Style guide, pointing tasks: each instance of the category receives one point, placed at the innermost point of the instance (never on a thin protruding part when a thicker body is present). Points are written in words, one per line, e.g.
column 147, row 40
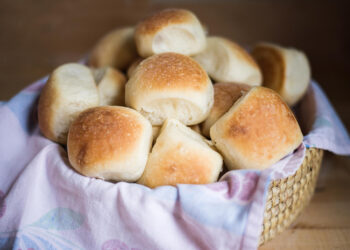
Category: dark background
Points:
column 36, row 36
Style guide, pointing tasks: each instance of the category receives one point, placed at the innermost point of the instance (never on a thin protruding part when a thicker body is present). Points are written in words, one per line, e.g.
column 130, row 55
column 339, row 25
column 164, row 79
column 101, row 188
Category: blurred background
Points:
column 36, row 36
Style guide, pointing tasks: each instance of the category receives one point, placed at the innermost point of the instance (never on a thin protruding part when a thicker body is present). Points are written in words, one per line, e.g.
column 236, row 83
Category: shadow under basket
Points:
column 289, row 196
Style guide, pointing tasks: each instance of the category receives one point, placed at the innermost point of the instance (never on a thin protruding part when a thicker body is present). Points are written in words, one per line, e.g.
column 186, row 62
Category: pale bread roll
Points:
column 285, row 70
column 116, row 49
column 110, row 85
column 156, row 130
column 133, row 66
column 170, row 30
column 170, row 85
column 180, row 155
column 257, row 131
column 110, row 143
column 69, row 90
column 226, row 61
column 225, row 95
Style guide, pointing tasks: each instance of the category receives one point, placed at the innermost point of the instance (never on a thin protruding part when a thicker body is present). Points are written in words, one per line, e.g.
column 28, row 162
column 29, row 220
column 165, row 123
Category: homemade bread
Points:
column 170, row 30
column 170, row 85
column 226, row 61
column 110, row 85
column 196, row 128
column 225, row 95
column 180, row 155
column 110, row 143
column 69, row 90
column 257, row 131
column 116, row 49
column 285, row 70
column 133, row 66
column 156, row 130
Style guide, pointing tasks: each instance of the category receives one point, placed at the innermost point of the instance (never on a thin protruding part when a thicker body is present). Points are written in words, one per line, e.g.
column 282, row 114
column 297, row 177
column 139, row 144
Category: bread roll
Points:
column 257, row 131
column 180, row 155
column 155, row 132
column 226, row 61
column 170, row 85
column 110, row 85
column 196, row 128
column 110, row 143
column 69, row 90
column 285, row 70
column 133, row 66
column 170, row 30
column 116, row 49
column 225, row 95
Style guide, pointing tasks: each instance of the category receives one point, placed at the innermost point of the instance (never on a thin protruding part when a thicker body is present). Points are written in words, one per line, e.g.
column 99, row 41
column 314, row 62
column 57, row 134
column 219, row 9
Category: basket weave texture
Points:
column 289, row 196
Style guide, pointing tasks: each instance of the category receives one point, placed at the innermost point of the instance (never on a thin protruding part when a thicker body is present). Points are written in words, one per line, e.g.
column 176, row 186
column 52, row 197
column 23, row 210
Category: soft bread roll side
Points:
column 225, row 95
column 226, row 61
column 257, row 131
column 116, row 49
column 180, row 155
column 69, row 90
column 170, row 85
column 156, row 130
column 133, row 66
column 110, row 85
column 170, row 30
column 110, row 143
column 285, row 70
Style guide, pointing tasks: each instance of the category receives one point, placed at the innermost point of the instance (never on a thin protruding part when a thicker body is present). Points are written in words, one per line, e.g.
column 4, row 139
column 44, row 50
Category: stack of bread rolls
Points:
column 163, row 103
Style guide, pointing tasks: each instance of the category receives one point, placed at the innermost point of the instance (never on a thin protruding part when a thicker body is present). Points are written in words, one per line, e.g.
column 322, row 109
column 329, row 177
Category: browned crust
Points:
column 175, row 166
column 272, row 65
column 225, row 95
column 103, row 134
column 45, row 114
column 171, row 70
column 262, row 125
column 157, row 21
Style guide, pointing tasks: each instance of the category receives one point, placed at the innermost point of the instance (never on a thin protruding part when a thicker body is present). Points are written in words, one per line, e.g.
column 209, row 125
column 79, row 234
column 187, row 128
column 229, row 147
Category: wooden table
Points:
column 37, row 36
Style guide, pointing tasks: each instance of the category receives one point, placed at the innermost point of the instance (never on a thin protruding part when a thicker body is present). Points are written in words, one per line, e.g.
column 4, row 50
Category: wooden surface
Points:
column 37, row 36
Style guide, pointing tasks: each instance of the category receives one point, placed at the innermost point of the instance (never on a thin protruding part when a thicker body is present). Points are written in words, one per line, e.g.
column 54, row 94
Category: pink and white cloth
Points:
column 44, row 204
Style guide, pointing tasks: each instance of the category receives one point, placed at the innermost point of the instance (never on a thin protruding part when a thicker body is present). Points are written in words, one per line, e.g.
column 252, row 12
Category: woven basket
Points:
column 288, row 197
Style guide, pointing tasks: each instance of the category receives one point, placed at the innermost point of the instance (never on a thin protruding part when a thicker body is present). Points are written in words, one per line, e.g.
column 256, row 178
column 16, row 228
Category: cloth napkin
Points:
column 45, row 204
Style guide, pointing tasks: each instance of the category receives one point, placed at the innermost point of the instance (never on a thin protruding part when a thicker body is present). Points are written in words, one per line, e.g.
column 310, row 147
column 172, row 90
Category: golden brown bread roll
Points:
column 257, row 131
column 116, row 49
column 180, row 155
column 170, row 85
column 226, row 61
column 225, row 95
column 69, row 90
column 170, row 30
column 285, row 70
column 110, row 85
column 110, row 143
